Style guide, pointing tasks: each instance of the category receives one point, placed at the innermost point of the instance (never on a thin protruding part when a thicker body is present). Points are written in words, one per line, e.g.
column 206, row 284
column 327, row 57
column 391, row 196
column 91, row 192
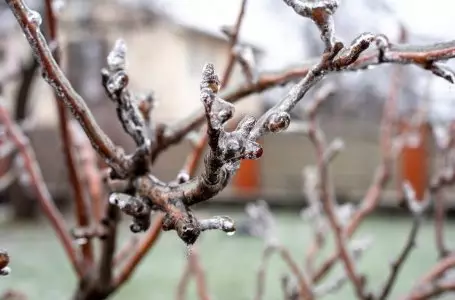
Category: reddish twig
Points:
column 67, row 142
column 381, row 177
column 126, row 251
column 44, row 197
column 198, row 272
column 184, row 281
column 30, row 21
column 260, row 285
column 328, row 204
column 306, row 292
column 144, row 246
column 89, row 165
column 400, row 260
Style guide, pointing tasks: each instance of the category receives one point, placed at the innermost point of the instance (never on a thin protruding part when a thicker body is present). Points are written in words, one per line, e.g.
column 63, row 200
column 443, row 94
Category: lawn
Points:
column 40, row 268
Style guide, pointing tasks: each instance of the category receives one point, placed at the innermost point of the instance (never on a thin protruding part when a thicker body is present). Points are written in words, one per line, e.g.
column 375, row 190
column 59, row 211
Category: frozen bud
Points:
column 210, row 78
column 246, row 125
column 278, row 122
column 117, row 82
column 253, row 150
column 116, row 60
column 130, row 205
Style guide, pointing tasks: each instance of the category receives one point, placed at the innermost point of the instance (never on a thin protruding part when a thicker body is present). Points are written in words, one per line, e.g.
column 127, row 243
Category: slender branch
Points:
column 198, row 272
column 437, row 270
column 409, row 245
column 305, row 287
column 44, row 197
column 126, row 251
column 260, row 281
column 194, row 158
column 184, row 281
column 142, row 249
column 30, row 21
column 105, row 269
column 233, row 38
column 381, row 177
column 396, row 54
column 89, row 165
column 328, row 205
column 82, row 214
column 25, row 86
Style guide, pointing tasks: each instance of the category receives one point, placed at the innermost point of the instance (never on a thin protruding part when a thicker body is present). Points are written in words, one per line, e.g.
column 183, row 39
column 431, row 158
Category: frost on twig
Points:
column 115, row 81
column 133, row 206
column 4, row 261
column 223, row 223
column 320, row 11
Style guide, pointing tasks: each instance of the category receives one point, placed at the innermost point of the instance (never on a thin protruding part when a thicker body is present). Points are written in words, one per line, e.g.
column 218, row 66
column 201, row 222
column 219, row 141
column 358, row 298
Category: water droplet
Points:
column 189, row 250
column 230, row 233
column 81, row 241
column 34, row 17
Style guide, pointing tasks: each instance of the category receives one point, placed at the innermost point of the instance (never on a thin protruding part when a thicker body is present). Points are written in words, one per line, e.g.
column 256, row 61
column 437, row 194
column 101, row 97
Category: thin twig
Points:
column 409, row 245
column 144, row 246
column 44, row 197
column 381, row 177
column 82, row 215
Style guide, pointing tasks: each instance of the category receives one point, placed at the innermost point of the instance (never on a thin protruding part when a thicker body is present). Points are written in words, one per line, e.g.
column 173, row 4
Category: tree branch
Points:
column 82, row 214
column 416, row 210
column 44, row 197
column 30, row 21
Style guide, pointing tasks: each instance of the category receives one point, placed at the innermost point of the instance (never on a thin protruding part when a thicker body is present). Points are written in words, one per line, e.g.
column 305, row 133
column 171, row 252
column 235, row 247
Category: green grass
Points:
column 40, row 269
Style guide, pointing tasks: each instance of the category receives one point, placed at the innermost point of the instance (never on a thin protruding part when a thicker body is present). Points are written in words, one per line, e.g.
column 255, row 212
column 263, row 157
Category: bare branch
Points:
column 44, row 197
column 409, row 245
column 115, row 81
column 30, row 21
column 144, row 246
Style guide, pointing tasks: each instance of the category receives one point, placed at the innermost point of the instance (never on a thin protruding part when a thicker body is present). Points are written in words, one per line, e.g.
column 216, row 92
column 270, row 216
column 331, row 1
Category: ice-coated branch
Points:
column 115, row 81
column 320, row 11
column 135, row 207
column 29, row 21
column 223, row 223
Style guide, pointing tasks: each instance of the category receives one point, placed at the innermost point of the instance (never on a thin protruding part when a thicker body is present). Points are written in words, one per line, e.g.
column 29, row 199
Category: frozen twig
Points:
column 417, row 208
column 139, row 252
column 320, row 11
column 115, row 81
